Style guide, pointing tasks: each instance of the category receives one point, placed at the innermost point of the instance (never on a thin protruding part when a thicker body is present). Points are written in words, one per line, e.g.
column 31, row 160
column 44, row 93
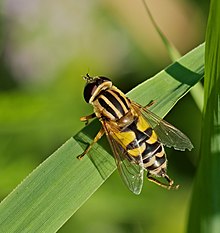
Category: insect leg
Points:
column 167, row 186
column 87, row 118
column 97, row 137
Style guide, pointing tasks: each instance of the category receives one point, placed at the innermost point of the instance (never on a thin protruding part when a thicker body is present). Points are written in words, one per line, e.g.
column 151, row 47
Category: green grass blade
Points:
column 197, row 91
column 205, row 207
column 50, row 195
column 171, row 49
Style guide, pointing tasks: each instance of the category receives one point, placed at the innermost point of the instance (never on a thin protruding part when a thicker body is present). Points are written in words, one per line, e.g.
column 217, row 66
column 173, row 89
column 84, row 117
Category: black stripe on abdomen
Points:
column 151, row 149
column 149, row 132
column 140, row 136
column 158, row 162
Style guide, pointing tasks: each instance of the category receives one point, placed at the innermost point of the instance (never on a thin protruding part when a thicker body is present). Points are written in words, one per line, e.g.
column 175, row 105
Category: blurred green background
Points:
column 45, row 48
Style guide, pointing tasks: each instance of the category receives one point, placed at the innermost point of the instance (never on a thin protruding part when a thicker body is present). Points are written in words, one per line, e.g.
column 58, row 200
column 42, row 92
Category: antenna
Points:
column 88, row 78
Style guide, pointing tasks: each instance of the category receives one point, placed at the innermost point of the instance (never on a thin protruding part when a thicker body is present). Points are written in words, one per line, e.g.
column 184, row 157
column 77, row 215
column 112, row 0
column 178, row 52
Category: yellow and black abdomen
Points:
column 146, row 144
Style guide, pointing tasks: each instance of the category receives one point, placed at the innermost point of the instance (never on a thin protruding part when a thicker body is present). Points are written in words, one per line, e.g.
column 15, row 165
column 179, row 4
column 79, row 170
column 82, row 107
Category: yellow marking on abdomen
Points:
column 160, row 154
column 142, row 124
column 124, row 138
column 153, row 138
column 151, row 162
column 137, row 151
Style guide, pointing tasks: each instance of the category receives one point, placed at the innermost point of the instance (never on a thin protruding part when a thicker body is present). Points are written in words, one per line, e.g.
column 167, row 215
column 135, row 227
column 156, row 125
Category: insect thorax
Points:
column 111, row 104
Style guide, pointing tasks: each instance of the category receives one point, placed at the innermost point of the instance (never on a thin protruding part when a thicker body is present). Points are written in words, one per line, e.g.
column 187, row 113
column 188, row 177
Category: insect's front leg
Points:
column 97, row 137
column 87, row 118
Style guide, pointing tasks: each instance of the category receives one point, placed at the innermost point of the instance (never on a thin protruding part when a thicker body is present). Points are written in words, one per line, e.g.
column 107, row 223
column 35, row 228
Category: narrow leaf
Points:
column 50, row 195
column 171, row 49
column 197, row 91
column 205, row 207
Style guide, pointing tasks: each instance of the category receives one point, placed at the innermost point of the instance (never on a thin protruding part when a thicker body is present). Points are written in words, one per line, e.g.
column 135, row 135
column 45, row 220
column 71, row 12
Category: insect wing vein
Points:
column 132, row 171
column 167, row 133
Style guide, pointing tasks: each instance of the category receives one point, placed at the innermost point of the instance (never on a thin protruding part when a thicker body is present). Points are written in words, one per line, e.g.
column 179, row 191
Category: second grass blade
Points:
column 205, row 205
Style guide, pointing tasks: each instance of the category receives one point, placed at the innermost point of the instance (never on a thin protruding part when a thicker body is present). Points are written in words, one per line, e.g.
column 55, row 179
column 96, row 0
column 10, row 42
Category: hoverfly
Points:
column 135, row 134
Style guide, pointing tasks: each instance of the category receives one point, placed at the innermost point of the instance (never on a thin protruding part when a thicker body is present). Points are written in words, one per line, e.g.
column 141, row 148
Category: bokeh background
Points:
column 45, row 48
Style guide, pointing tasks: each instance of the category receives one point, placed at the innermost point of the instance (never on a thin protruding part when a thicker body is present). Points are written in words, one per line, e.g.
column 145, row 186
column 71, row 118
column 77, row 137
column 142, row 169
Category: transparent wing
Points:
column 131, row 170
column 167, row 133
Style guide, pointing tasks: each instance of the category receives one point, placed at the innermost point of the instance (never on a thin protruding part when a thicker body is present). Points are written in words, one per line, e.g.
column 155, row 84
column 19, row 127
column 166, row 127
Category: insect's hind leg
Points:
column 97, row 137
column 167, row 186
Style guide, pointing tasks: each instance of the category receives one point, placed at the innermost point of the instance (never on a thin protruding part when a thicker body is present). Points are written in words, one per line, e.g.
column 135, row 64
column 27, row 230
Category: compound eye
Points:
column 93, row 84
column 89, row 90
